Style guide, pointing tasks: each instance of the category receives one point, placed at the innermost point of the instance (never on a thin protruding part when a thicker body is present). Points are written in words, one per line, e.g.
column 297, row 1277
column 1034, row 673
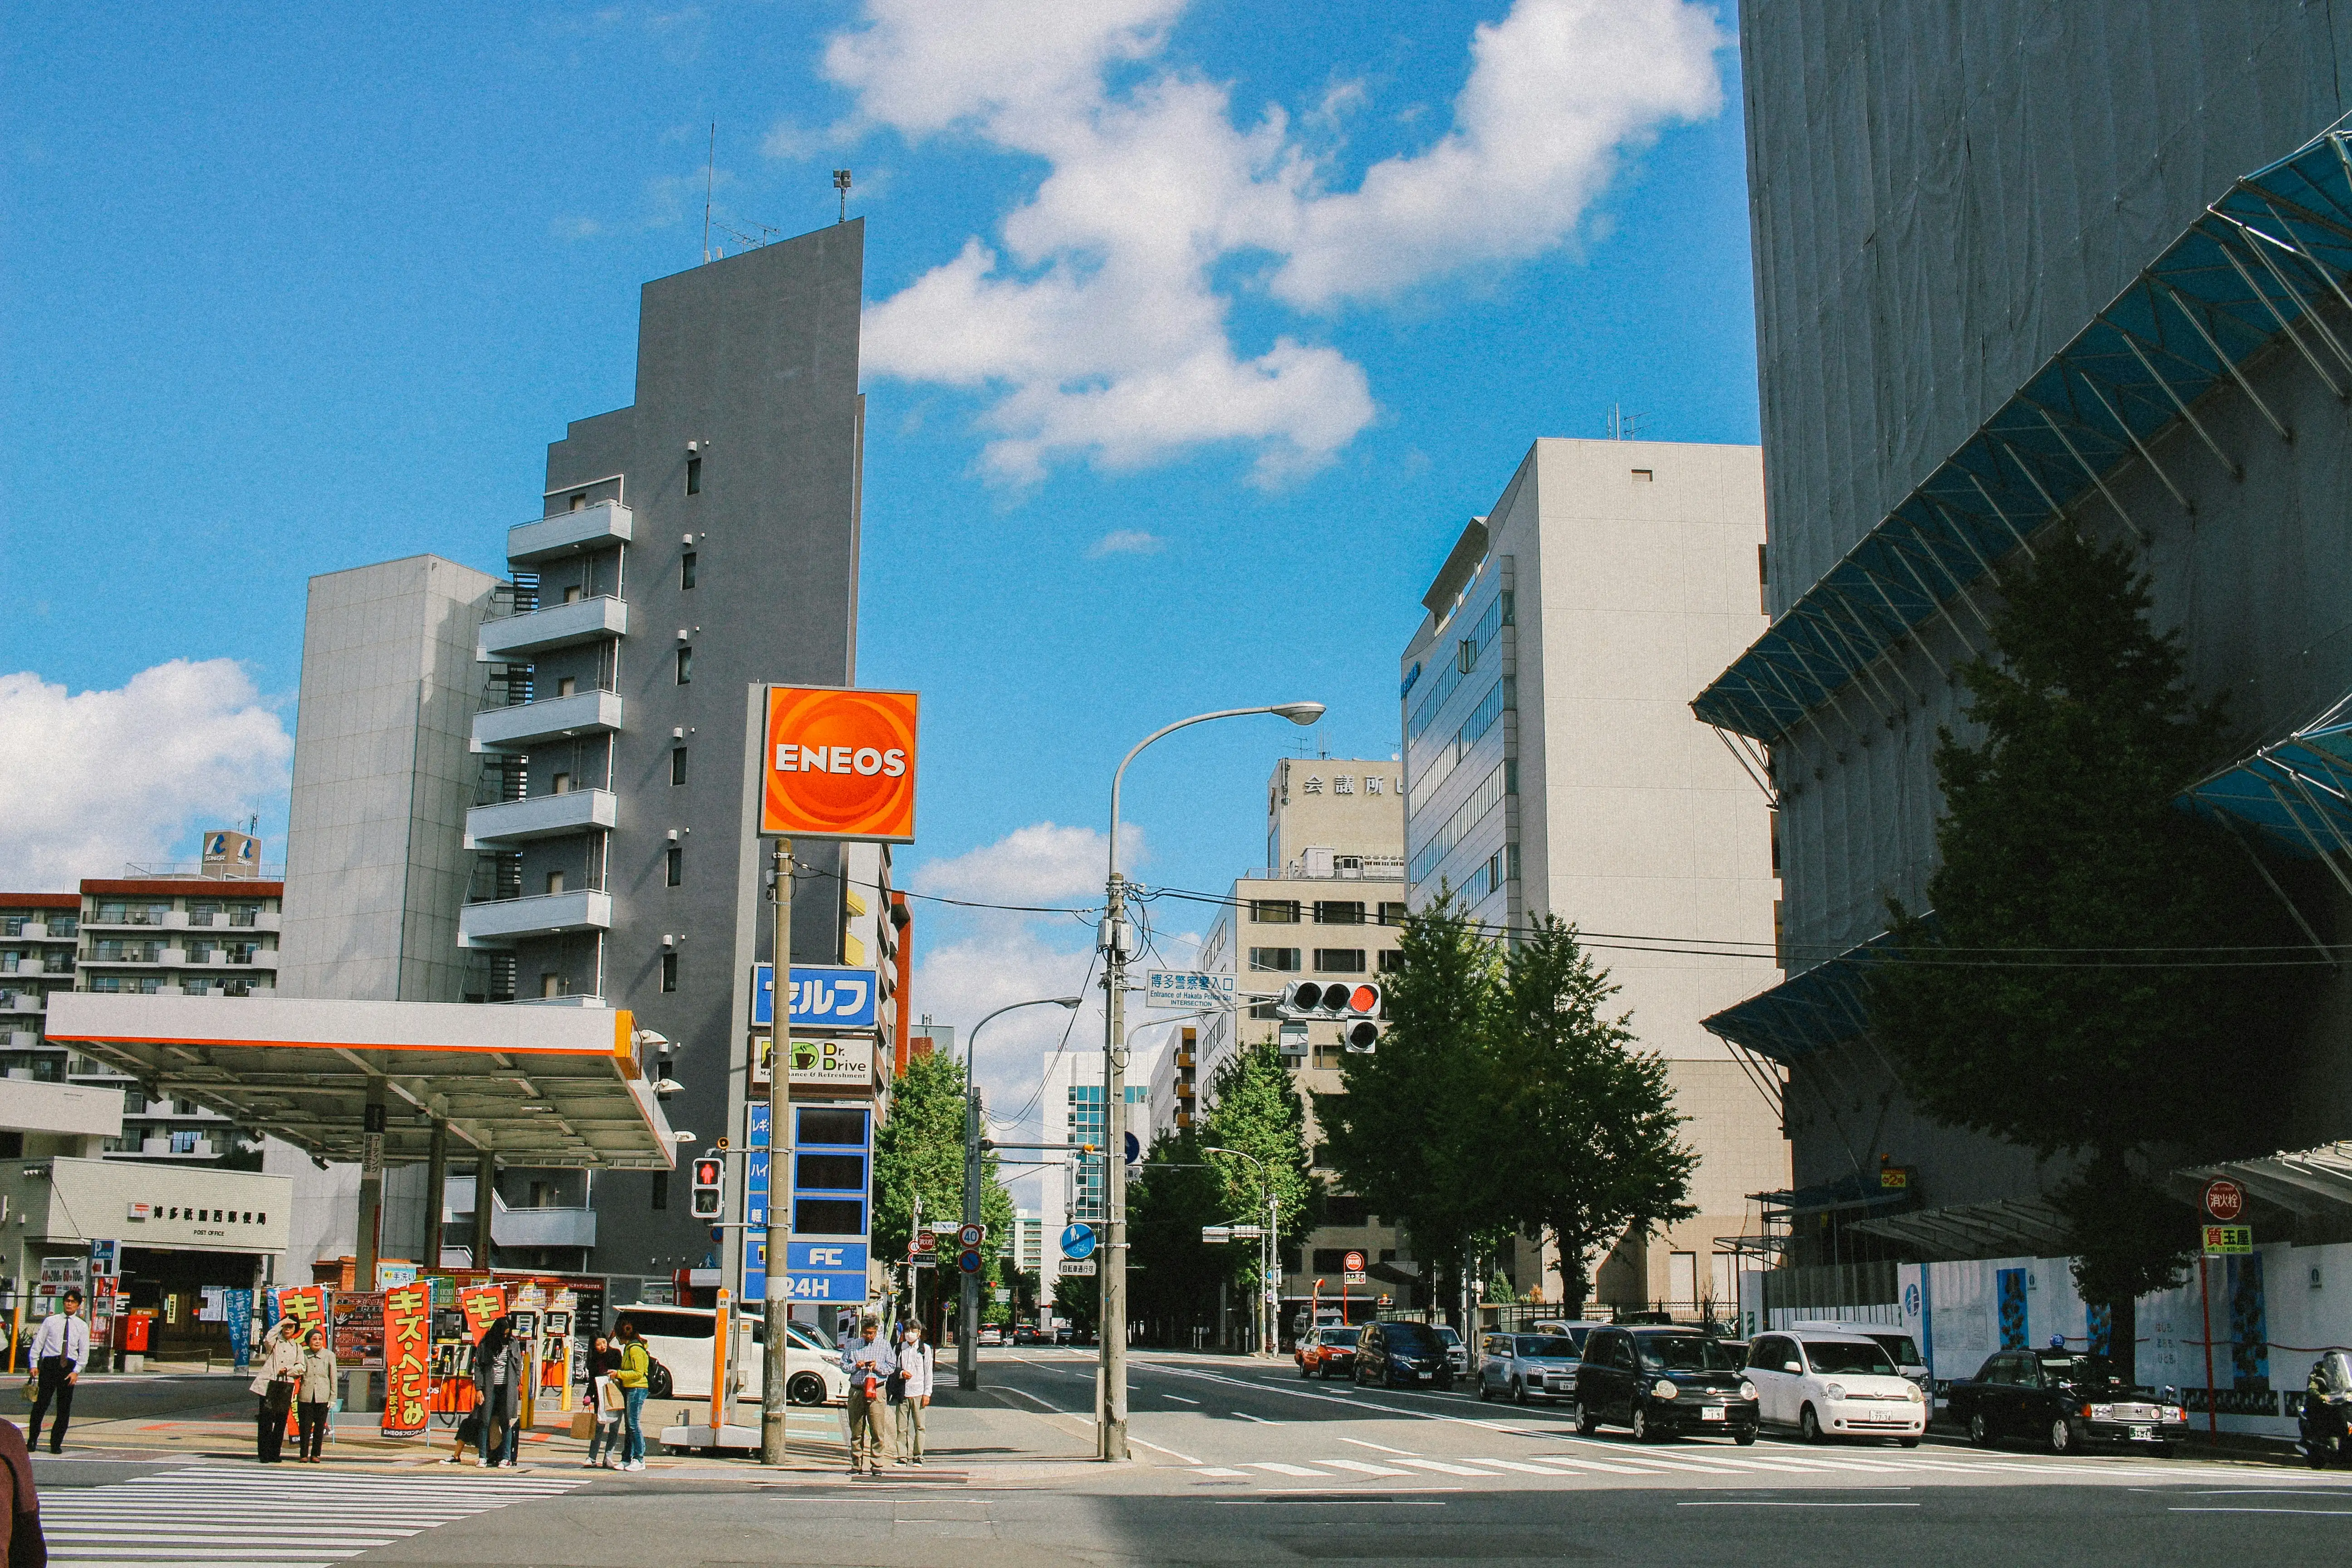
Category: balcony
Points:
column 558, row 625
column 525, row 724
column 566, row 534
column 505, row 922
column 541, row 817
column 15, row 1001
column 19, row 1040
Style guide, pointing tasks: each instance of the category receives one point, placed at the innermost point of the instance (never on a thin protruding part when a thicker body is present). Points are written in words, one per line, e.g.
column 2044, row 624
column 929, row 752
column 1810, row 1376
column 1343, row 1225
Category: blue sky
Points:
column 286, row 289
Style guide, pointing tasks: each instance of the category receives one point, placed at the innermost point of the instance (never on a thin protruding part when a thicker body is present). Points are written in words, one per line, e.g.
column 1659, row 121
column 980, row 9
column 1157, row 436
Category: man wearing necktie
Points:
column 60, row 1350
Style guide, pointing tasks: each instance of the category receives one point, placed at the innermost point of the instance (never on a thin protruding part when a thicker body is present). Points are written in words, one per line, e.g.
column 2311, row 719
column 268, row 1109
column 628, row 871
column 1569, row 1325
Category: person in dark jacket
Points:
column 498, row 1371
column 24, row 1546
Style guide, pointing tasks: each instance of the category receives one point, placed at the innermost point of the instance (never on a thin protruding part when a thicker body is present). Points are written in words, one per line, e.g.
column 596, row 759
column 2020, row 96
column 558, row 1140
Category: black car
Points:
column 1662, row 1382
column 1027, row 1335
column 2062, row 1400
column 1402, row 1355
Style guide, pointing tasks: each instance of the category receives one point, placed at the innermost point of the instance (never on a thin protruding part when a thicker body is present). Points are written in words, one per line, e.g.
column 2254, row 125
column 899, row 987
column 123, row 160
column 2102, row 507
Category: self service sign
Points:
column 825, row 996
column 839, row 763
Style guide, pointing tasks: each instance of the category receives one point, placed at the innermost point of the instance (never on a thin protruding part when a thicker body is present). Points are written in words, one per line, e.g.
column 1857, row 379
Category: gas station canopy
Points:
column 536, row 1086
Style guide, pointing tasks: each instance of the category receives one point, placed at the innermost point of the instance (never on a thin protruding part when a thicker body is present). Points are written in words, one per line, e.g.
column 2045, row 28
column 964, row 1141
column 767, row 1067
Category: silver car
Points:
column 1527, row 1367
column 1457, row 1355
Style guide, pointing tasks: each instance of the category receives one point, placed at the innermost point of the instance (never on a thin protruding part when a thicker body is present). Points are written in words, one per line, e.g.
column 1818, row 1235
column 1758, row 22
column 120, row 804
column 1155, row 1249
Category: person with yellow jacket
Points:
column 636, row 1378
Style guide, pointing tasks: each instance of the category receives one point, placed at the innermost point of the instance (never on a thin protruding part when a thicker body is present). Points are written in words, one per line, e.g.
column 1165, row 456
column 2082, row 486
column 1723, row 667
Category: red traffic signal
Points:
column 710, row 1198
column 1339, row 999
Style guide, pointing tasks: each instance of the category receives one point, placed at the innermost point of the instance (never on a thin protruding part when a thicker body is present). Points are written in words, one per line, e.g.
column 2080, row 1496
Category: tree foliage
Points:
column 1405, row 1132
column 1256, row 1109
column 2066, row 993
column 919, row 1152
column 1588, row 1122
column 1176, row 1276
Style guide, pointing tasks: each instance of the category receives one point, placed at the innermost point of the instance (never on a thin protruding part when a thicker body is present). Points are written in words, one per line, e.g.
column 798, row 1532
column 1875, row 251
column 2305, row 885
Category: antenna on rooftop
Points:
column 841, row 183
column 710, row 176
column 1624, row 427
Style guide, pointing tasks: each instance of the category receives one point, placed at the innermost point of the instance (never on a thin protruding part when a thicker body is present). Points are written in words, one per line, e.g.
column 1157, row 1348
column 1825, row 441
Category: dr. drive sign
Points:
column 839, row 764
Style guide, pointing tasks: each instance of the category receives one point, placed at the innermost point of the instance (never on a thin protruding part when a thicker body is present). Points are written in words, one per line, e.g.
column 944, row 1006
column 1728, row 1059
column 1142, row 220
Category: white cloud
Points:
column 1043, row 863
column 1127, row 542
column 1097, row 325
column 89, row 780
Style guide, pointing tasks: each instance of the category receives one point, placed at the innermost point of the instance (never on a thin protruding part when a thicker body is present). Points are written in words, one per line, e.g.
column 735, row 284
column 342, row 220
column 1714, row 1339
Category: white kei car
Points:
column 1834, row 1386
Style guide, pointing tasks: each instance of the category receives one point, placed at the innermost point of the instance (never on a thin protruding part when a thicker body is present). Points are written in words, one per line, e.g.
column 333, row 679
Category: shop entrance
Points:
column 184, row 1289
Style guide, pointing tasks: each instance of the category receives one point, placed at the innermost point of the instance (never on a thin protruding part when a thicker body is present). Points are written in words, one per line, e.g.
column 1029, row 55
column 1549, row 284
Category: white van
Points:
column 1900, row 1348
column 680, row 1339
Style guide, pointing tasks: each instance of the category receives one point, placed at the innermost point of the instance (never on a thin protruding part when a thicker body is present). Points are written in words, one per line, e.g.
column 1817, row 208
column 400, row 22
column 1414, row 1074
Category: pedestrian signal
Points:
column 710, row 1187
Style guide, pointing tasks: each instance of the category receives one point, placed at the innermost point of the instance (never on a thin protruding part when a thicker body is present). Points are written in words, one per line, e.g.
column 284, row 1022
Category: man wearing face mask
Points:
column 911, row 1391
column 869, row 1361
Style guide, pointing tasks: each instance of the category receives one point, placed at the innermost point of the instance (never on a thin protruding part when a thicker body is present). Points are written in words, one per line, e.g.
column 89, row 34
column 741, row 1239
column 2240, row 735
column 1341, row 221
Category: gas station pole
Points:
column 772, row 1390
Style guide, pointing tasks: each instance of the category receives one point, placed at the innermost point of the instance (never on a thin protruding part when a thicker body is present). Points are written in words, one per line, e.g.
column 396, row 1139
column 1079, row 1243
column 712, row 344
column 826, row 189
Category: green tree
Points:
column 919, row 1152
column 1584, row 1123
column 2090, row 981
column 1175, row 1275
column 1405, row 1132
column 1257, row 1110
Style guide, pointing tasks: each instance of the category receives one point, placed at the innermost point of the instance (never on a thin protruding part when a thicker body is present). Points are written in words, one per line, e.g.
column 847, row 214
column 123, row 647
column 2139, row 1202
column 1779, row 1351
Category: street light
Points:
column 1110, row 1415
column 1269, row 1314
column 968, row 1317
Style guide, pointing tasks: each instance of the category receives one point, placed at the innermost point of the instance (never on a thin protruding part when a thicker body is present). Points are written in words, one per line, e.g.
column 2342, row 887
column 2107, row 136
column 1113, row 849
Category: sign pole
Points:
column 774, row 1442
column 2205, row 1295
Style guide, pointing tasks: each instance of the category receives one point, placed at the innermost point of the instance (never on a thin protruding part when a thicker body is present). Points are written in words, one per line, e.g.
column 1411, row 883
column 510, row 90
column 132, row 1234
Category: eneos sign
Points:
column 839, row 763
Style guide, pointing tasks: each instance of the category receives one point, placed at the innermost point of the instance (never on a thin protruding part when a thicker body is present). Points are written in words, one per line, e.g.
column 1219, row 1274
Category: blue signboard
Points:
column 832, row 1151
column 1078, row 1241
column 825, row 996
column 820, row 1270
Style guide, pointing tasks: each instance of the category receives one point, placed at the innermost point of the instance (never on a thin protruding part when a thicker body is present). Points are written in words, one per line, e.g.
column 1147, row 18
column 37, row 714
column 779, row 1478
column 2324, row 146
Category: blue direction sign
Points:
column 1078, row 1241
column 825, row 996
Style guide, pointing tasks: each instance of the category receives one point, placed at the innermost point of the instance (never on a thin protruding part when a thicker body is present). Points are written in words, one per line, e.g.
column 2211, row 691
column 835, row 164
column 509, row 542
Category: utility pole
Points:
column 968, row 1301
column 1113, row 1415
column 772, row 1390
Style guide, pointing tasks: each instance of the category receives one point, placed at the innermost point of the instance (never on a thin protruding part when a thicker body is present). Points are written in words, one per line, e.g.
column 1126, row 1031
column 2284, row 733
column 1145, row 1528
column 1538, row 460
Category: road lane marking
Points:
column 1261, row 1420
column 1515, row 1465
column 1179, row 1399
column 1754, row 1502
column 1383, row 1447
column 1280, row 1469
column 1442, row 1468
column 1231, row 1474
column 2323, row 1512
column 1158, row 1450
column 1363, row 1466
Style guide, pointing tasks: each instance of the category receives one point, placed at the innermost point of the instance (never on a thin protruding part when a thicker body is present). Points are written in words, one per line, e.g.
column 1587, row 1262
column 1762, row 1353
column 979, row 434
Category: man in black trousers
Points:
column 60, row 1350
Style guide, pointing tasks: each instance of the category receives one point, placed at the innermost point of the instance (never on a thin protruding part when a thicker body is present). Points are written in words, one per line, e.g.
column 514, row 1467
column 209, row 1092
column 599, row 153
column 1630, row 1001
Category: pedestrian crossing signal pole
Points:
column 772, row 1365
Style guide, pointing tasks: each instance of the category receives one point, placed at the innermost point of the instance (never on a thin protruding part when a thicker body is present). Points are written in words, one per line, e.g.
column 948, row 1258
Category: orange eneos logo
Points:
column 839, row 764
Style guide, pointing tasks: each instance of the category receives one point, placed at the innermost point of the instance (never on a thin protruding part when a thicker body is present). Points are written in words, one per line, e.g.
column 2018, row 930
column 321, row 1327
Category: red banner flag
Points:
column 483, row 1305
column 407, row 1349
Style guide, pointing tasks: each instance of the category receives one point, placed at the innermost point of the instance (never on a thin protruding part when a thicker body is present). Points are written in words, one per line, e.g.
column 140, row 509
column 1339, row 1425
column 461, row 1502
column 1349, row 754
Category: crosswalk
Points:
column 246, row 1518
column 1578, row 1460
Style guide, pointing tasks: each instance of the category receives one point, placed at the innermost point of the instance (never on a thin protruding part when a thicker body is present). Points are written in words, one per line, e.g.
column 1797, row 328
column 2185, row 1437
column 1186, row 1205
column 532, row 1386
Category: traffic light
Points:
column 1353, row 1004
column 709, row 1201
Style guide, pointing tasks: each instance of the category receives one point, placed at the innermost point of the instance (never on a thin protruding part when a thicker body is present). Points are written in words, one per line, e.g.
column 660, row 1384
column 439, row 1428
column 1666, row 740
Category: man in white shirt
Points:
column 916, row 1366
column 60, row 1350
column 869, row 1363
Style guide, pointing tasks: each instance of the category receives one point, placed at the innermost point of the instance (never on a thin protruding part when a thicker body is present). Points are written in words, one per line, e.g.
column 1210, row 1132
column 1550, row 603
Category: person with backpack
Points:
column 910, row 1390
column 636, row 1378
column 498, row 1371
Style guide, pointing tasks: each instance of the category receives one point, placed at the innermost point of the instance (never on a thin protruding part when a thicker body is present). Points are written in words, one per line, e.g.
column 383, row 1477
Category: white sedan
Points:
column 1834, row 1386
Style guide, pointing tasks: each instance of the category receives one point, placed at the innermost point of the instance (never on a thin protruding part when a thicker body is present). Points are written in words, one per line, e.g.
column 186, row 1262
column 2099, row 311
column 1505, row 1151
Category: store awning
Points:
column 1821, row 1006
column 1845, row 1194
column 2006, row 1228
column 536, row 1086
column 2243, row 277
column 2304, row 1182
column 2297, row 793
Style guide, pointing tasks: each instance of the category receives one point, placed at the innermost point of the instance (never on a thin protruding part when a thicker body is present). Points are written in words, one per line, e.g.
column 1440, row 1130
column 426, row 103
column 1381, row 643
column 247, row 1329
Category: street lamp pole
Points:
column 968, row 1314
column 1110, row 1414
column 1269, row 1254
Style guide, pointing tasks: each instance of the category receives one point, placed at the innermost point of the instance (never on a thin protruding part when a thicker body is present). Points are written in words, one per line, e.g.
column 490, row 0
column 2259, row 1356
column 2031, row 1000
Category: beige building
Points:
column 1326, row 905
column 1555, row 767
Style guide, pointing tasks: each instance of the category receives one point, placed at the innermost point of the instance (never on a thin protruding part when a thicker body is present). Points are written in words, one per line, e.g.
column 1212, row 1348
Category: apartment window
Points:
column 677, row 765
column 1643, row 475
column 674, row 864
column 559, row 785
column 1339, row 912
column 1392, row 912
column 1275, row 912
column 567, row 686
column 1392, row 961
column 550, row 984
column 555, row 881
column 1465, row 655
column 1340, row 960
column 1263, row 1010
column 685, row 666
column 669, row 971
column 661, row 1189
column 1274, row 960
column 571, row 594
column 686, row 570
column 694, row 476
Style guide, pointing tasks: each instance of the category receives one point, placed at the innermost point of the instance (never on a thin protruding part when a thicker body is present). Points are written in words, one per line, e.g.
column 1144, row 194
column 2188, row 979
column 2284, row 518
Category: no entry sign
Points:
column 2224, row 1199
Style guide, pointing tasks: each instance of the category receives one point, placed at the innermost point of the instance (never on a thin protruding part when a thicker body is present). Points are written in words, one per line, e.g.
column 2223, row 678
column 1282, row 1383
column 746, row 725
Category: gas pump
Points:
column 525, row 1322
column 554, row 1358
column 453, row 1364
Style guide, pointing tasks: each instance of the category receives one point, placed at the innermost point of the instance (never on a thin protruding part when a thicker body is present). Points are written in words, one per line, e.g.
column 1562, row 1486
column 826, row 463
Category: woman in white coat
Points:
column 276, row 1379
column 916, row 1366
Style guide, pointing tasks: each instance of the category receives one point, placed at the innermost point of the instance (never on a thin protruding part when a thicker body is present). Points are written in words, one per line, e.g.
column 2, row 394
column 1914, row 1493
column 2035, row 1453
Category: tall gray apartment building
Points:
column 2024, row 266
column 542, row 789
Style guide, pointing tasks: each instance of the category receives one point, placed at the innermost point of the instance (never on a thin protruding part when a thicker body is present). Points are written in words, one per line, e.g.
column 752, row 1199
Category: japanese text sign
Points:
column 407, row 1388
column 839, row 764
column 825, row 996
column 2223, row 1240
column 1188, row 988
column 483, row 1305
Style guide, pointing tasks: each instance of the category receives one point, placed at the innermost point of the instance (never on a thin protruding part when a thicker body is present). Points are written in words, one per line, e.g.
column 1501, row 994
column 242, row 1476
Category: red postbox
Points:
column 136, row 1328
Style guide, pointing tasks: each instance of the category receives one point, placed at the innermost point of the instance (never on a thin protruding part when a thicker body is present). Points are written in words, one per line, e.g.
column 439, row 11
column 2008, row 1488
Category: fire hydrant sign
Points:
column 839, row 763
column 408, row 1388
column 2224, row 1199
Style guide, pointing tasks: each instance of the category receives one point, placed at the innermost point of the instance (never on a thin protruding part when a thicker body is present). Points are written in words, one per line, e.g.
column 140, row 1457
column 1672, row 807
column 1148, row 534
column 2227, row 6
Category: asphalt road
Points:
column 1245, row 1463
